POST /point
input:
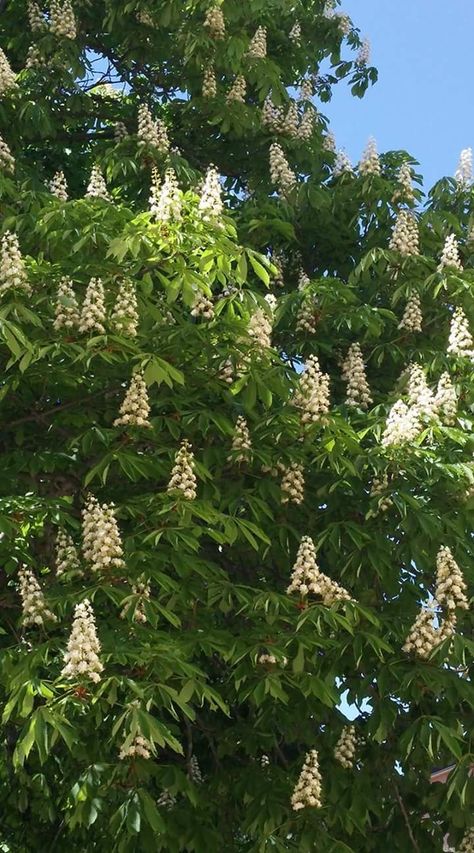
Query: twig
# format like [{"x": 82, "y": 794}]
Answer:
[
  {"x": 406, "y": 819},
  {"x": 39, "y": 416}
]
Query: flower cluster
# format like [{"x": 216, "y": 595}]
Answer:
[
  {"x": 308, "y": 791},
  {"x": 446, "y": 401},
  {"x": 312, "y": 396},
  {"x": 120, "y": 131},
  {"x": 12, "y": 266},
  {"x": 405, "y": 237},
  {"x": 342, "y": 163},
  {"x": 363, "y": 57},
  {"x": 353, "y": 372},
  {"x": 194, "y": 771},
  {"x": 329, "y": 142},
  {"x": 141, "y": 589},
  {"x": 125, "y": 317},
  {"x": 203, "y": 307},
  {"x": 345, "y": 749},
  {"x": 378, "y": 488},
  {"x": 215, "y": 23},
  {"x": 82, "y": 656},
  {"x": 166, "y": 800},
  {"x": 152, "y": 131},
  {"x": 280, "y": 173},
  {"x": 241, "y": 443},
  {"x": 7, "y": 77},
  {"x": 62, "y": 20},
  {"x": 97, "y": 188},
  {"x": 306, "y": 318},
  {"x": 463, "y": 173},
  {"x": 93, "y": 314},
  {"x": 183, "y": 478},
  {"x": 237, "y": 91},
  {"x": 424, "y": 636},
  {"x": 344, "y": 23},
  {"x": 35, "y": 16},
  {"x": 404, "y": 191},
  {"x": 402, "y": 425},
  {"x": 101, "y": 542},
  {"x": 258, "y": 45},
  {"x": 66, "y": 310},
  {"x": 370, "y": 160},
  {"x": 58, "y": 186},
  {"x": 165, "y": 200},
  {"x": 7, "y": 161},
  {"x": 135, "y": 409},
  {"x": 226, "y": 371},
  {"x": 295, "y": 33},
  {"x": 209, "y": 83},
  {"x": 34, "y": 609},
  {"x": 260, "y": 328},
  {"x": 211, "y": 205},
  {"x": 307, "y": 577},
  {"x": 306, "y": 90},
  {"x": 460, "y": 341},
  {"x": 420, "y": 397},
  {"x": 139, "y": 747},
  {"x": 290, "y": 122},
  {"x": 450, "y": 584},
  {"x": 264, "y": 760},
  {"x": 67, "y": 558},
  {"x": 292, "y": 484},
  {"x": 467, "y": 843},
  {"x": 272, "y": 116},
  {"x": 412, "y": 319},
  {"x": 306, "y": 126},
  {"x": 450, "y": 255}
]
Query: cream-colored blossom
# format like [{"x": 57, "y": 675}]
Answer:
[
  {"x": 138, "y": 747},
  {"x": 241, "y": 443},
  {"x": 102, "y": 545},
  {"x": 135, "y": 409},
  {"x": 93, "y": 313},
  {"x": 292, "y": 484},
  {"x": 295, "y": 33},
  {"x": 34, "y": 609},
  {"x": 7, "y": 77},
  {"x": 460, "y": 341},
  {"x": 141, "y": 591},
  {"x": 211, "y": 205},
  {"x": 412, "y": 319},
  {"x": 215, "y": 23},
  {"x": 67, "y": 558},
  {"x": 353, "y": 372},
  {"x": 280, "y": 172},
  {"x": 237, "y": 91},
  {"x": 125, "y": 317},
  {"x": 446, "y": 400},
  {"x": 62, "y": 19},
  {"x": 66, "y": 310},
  {"x": 450, "y": 585},
  {"x": 7, "y": 161},
  {"x": 363, "y": 57},
  {"x": 152, "y": 131},
  {"x": 370, "y": 161},
  {"x": 450, "y": 255},
  {"x": 183, "y": 478},
  {"x": 306, "y": 577},
  {"x": 97, "y": 188},
  {"x": 345, "y": 749},
  {"x": 209, "y": 83},
  {"x": 58, "y": 186},
  {"x": 81, "y": 660},
  {"x": 402, "y": 425},
  {"x": 12, "y": 266},
  {"x": 312, "y": 396},
  {"x": 463, "y": 173},
  {"x": 405, "y": 236},
  {"x": 342, "y": 164},
  {"x": 258, "y": 45},
  {"x": 308, "y": 790}
]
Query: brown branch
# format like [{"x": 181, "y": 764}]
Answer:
[
  {"x": 40, "y": 416},
  {"x": 406, "y": 819}
]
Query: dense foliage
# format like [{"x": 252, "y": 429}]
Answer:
[{"x": 165, "y": 458}]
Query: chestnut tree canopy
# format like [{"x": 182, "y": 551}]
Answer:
[{"x": 236, "y": 443}]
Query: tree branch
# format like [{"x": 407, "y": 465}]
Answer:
[
  {"x": 39, "y": 416},
  {"x": 406, "y": 819}
]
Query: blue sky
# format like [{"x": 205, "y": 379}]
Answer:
[{"x": 422, "y": 102}]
